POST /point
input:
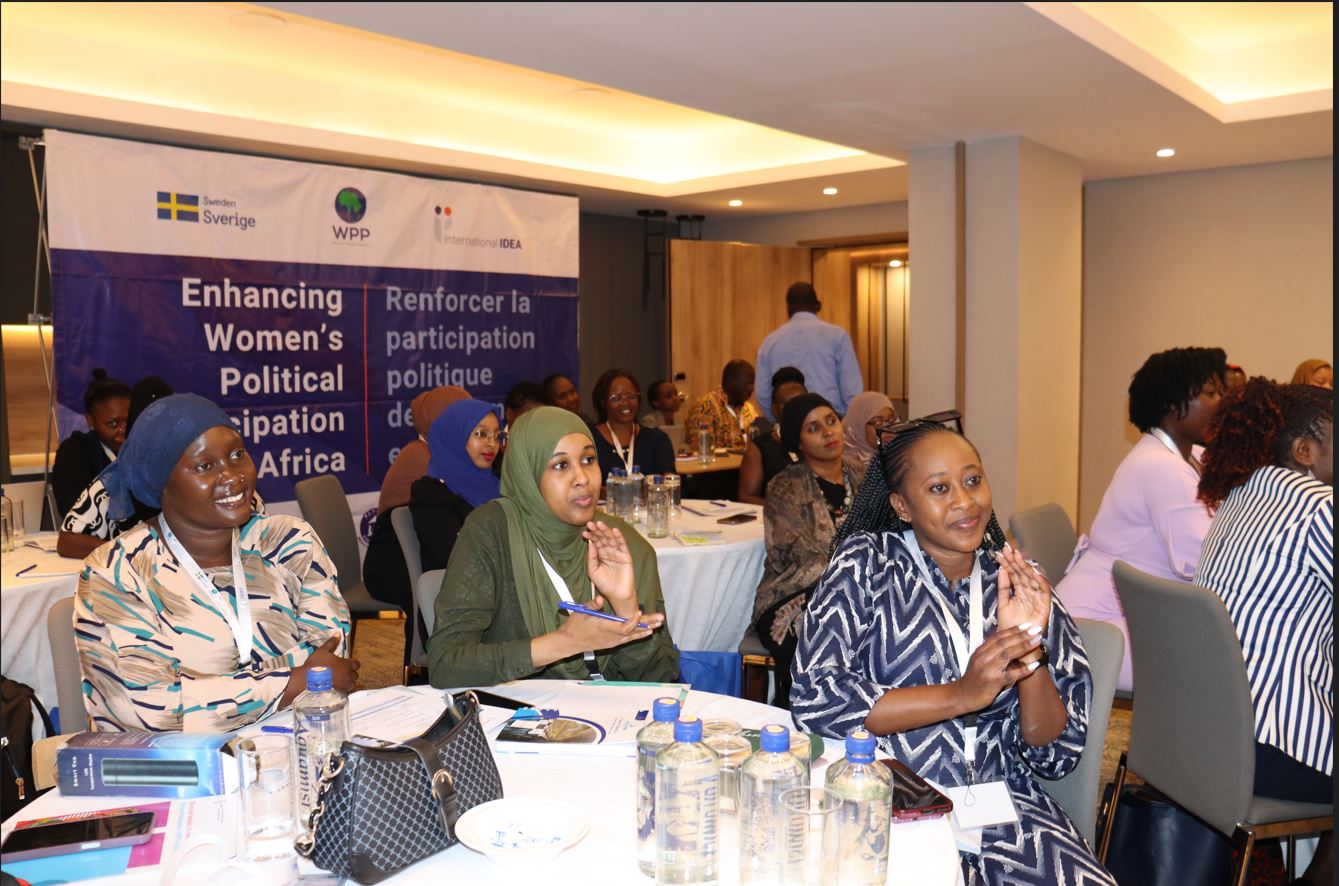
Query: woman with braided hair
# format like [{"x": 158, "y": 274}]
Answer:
[
  {"x": 933, "y": 634},
  {"x": 1149, "y": 516},
  {"x": 1269, "y": 472}
]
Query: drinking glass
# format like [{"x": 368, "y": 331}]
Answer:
[
  {"x": 19, "y": 527},
  {"x": 268, "y": 826},
  {"x": 673, "y": 485},
  {"x": 657, "y": 507},
  {"x": 733, "y": 749},
  {"x": 809, "y": 836}
]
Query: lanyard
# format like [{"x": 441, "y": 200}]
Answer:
[
  {"x": 238, "y": 614},
  {"x": 111, "y": 456},
  {"x": 561, "y": 587},
  {"x": 963, "y": 646},
  {"x": 1166, "y": 440},
  {"x": 737, "y": 416},
  {"x": 627, "y": 460}
]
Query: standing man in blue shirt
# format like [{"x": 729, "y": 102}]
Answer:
[{"x": 822, "y": 351}]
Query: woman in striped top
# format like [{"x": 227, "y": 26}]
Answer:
[{"x": 1269, "y": 472}]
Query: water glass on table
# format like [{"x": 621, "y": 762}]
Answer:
[
  {"x": 657, "y": 507},
  {"x": 268, "y": 825},
  {"x": 809, "y": 836},
  {"x": 673, "y": 482}
]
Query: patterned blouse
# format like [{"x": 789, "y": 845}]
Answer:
[
  {"x": 729, "y": 426},
  {"x": 158, "y": 656}
]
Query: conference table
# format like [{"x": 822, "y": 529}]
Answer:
[
  {"x": 32, "y": 578},
  {"x": 717, "y": 479},
  {"x": 601, "y": 786}
]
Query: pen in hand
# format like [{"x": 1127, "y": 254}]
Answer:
[{"x": 577, "y": 607}]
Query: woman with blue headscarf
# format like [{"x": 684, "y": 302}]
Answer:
[
  {"x": 206, "y": 617},
  {"x": 463, "y": 443}
]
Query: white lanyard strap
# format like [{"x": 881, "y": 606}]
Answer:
[
  {"x": 627, "y": 461},
  {"x": 237, "y": 616},
  {"x": 963, "y": 646},
  {"x": 738, "y": 416},
  {"x": 566, "y": 596},
  {"x": 1167, "y": 441}
]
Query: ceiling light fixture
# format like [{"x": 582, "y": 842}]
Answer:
[
  {"x": 828, "y": 192},
  {"x": 1166, "y": 152},
  {"x": 736, "y": 202},
  {"x": 895, "y": 263}
]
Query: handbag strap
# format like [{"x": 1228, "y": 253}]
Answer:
[{"x": 443, "y": 785}]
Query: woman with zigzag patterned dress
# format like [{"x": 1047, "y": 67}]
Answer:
[{"x": 920, "y": 566}]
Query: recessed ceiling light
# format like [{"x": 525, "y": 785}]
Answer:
[
  {"x": 736, "y": 202},
  {"x": 895, "y": 263},
  {"x": 829, "y": 191},
  {"x": 1166, "y": 152}
]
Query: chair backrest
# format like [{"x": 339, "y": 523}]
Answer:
[
  {"x": 326, "y": 508},
  {"x": 1077, "y": 793},
  {"x": 1048, "y": 536},
  {"x": 429, "y": 585},
  {"x": 65, "y": 660},
  {"x": 1193, "y": 732},
  {"x": 403, "y": 523},
  {"x": 675, "y": 433}
]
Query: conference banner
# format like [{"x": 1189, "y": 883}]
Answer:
[{"x": 311, "y": 302}]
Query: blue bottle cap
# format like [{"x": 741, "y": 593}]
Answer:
[
  {"x": 774, "y": 739},
  {"x": 860, "y": 747},
  {"x": 320, "y": 679},
  {"x": 665, "y": 710},
  {"x": 617, "y": 472},
  {"x": 636, "y": 469},
  {"x": 688, "y": 729}
]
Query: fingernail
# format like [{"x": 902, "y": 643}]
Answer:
[
  {"x": 1025, "y": 625},
  {"x": 1034, "y": 630},
  {"x": 1033, "y": 666},
  {"x": 1007, "y": 546}
]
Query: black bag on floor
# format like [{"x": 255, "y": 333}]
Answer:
[
  {"x": 19, "y": 707},
  {"x": 1154, "y": 842}
]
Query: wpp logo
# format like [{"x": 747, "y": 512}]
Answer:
[{"x": 350, "y": 206}]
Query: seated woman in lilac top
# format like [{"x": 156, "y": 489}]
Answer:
[{"x": 1150, "y": 516}]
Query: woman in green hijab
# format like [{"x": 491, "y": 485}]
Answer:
[{"x": 497, "y": 615}]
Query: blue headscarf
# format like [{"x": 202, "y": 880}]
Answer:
[
  {"x": 450, "y": 463},
  {"x": 152, "y": 449}
]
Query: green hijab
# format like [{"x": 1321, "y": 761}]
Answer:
[{"x": 532, "y": 527}]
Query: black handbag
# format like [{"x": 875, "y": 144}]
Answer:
[
  {"x": 1154, "y": 842},
  {"x": 380, "y": 809}
]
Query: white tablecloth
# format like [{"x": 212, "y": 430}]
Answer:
[
  {"x": 921, "y": 853},
  {"x": 25, "y": 653},
  {"x": 709, "y": 589}
]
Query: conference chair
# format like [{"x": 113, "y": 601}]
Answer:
[
  {"x": 1078, "y": 792},
  {"x": 403, "y": 523},
  {"x": 425, "y": 593},
  {"x": 326, "y": 508},
  {"x": 65, "y": 660},
  {"x": 1193, "y": 732},
  {"x": 1048, "y": 536},
  {"x": 754, "y": 655}
]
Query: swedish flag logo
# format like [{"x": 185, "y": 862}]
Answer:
[{"x": 178, "y": 207}]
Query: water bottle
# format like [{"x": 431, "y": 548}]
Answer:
[
  {"x": 636, "y": 495},
  {"x": 6, "y": 523},
  {"x": 704, "y": 443},
  {"x": 652, "y": 738},
  {"x": 614, "y": 489},
  {"x": 769, "y": 771},
  {"x": 866, "y": 789},
  {"x": 320, "y": 726},
  {"x": 688, "y": 778}
]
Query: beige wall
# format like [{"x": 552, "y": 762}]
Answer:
[
  {"x": 932, "y": 312},
  {"x": 1239, "y": 258}
]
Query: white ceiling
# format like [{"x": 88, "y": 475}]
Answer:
[{"x": 884, "y": 78}]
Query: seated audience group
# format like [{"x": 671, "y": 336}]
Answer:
[{"x": 890, "y": 598}]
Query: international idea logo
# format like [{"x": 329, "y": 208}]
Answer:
[{"x": 350, "y": 207}]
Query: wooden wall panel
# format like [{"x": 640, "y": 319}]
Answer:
[
  {"x": 26, "y": 397},
  {"x": 724, "y": 298}
]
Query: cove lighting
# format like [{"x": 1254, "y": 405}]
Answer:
[
  {"x": 1166, "y": 152},
  {"x": 829, "y": 191},
  {"x": 736, "y": 202}
]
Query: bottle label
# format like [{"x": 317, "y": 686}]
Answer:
[{"x": 646, "y": 795}]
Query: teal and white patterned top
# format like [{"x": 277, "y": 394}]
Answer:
[{"x": 157, "y": 656}]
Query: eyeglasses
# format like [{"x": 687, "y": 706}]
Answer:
[
  {"x": 947, "y": 418},
  {"x": 878, "y": 424},
  {"x": 488, "y": 436},
  {"x": 624, "y": 398}
]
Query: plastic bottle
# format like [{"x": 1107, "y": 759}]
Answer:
[
  {"x": 688, "y": 777},
  {"x": 652, "y": 738},
  {"x": 320, "y": 726},
  {"x": 866, "y": 789},
  {"x": 615, "y": 488},
  {"x": 765, "y": 774},
  {"x": 6, "y": 523},
  {"x": 636, "y": 495},
  {"x": 704, "y": 454}
]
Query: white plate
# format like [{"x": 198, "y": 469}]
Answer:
[{"x": 522, "y": 832}]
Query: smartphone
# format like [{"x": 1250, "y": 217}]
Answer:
[
  {"x": 94, "y": 832},
  {"x": 737, "y": 518},
  {"x": 913, "y": 797}
]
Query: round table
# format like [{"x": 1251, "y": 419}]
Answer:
[
  {"x": 921, "y": 853},
  {"x": 33, "y": 577}
]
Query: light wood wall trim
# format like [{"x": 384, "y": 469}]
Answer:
[
  {"x": 724, "y": 298},
  {"x": 26, "y": 390}
]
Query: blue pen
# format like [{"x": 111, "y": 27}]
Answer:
[
  {"x": 25, "y": 569},
  {"x": 281, "y": 730},
  {"x": 577, "y": 607}
]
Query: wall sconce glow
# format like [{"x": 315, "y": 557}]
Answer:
[
  {"x": 736, "y": 202},
  {"x": 1166, "y": 152},
  {"x": 828, "y": 192},
  {"x": 895, "y": 263}
]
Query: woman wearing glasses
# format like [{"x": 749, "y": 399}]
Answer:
[
  {"x": 621, "y": 441},
  {"x": 930, "y": 633},
  {"x": 463, "y": 443},
  {"x": 868, "y": 414}
]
